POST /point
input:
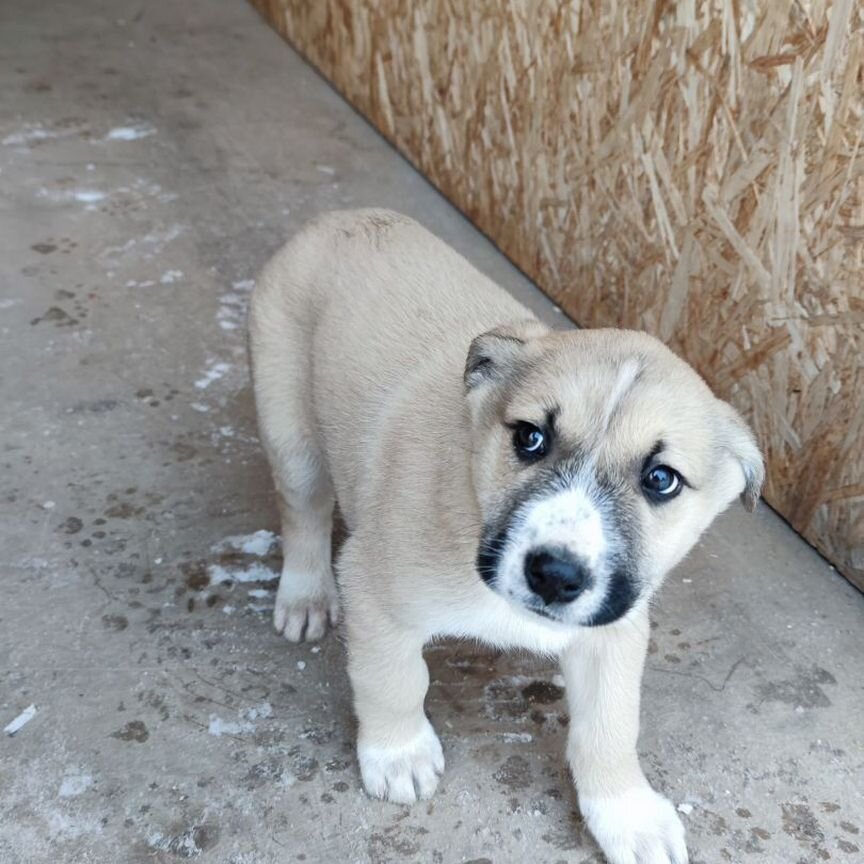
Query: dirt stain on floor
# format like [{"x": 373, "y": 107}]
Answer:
[
  {"x": 134, "y": 730},
  {"x": 515, "y": 773},
  {"x": 804, "y": 689}
]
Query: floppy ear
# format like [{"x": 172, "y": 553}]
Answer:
[
  {"x": 740, "y": 442},
  {"x": 496, "y": 354}
]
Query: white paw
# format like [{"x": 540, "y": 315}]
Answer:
[
  {"x": 302, "y": 613},
  {"x": 636, "y": 827},
  {"x": 403, "y": 774}
]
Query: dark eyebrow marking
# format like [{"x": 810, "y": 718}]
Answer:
[
  {"x": 548, "y": 423},
  {"x": 658, "y": 448},
  {"x": 655, "y": 450}
]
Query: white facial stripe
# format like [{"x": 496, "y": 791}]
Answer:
[
  {"x": 628, "y": 372},
  {"x": 567, "y": 520}
]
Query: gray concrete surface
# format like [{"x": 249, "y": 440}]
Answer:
[{"x": 152, "y": 155}]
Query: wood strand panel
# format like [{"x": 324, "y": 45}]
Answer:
[{"x": 693, "y": 169}]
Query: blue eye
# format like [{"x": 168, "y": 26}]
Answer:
[
  {"x": 529, "y": 441},
  {"x": 662, "y": 482}
]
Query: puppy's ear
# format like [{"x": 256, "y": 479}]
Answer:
[
  {"x": 495, "y": 355},
  {"x": 738, "y": 440}
]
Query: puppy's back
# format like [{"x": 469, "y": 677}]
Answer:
[{"x": 360, "y": 306}]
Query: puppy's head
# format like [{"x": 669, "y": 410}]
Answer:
[{"x": 599, "y": 457}]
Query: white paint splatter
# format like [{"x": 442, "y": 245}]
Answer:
[
  {"x": 262, "y": 712},
  {"x": 259, "y": 544},
  {"x": 255, "y": 572},
  {"x": 215, "y": 371},
  {"x": 71, "y": 827},
  {"x": 326, "y": 169},
  {"x": 228, "y": 318},
  {"x": 88, "y": 196},
  {"x": 146, "y": 247},
  {"x": 301, "y": 665},
  {"x": 219, "y": 727},
  {"x": 200, "y": 407},
  {"x": 157, "y": 239},
  {"x": 20, "y": 721},
  {"x": 685, "y": 808},
  {"x": 25, "y": 136},
  {"x": 182, "y": 845},
  {"x": 515, "y": 737},
  {"x": 512, "y": 681},
  {"x": 228, "y": 610},
  {"x": 74, "y": 785},
  {"x": 232, "y": 310},
  {"x": 259, "y": 593},
  {"x": 130, "y": 133},
  {"x": 33, "y": 132},
  {"x": 169, "y": 277},
  {"x": 259, "y": 609}
]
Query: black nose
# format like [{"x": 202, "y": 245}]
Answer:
[{"x": 555, "y": 575}]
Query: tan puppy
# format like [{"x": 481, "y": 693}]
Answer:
[{"x": 499, "y": 480}]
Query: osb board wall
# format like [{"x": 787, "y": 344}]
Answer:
[{"x": 694, "y": 169}]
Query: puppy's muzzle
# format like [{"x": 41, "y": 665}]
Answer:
[{"x": 555, "y": 575}]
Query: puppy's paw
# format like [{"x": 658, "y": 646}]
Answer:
[
  {"x": 636, "y": 827},
  {"x": 301, "y": 614},
  {"x": 402, "y": 774}
]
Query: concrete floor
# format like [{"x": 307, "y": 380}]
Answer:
[{"x": 152, "y": 156}]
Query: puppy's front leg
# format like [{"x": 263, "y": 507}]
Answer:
[
  {"x": 630, "y": 821},
  {"x": 400, "y": 754}
]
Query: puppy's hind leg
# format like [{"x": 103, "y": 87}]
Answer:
[{"x": 307, "y": 595}]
